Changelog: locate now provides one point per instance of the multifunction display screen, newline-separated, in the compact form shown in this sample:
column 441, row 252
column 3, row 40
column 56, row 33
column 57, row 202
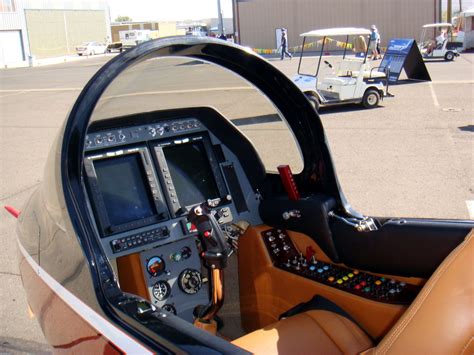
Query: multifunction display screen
column 191, row 173
column 121, row 182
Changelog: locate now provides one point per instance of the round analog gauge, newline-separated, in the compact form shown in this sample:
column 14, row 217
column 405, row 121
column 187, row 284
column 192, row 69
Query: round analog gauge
column 186, row 252
column 155, row 266
column 169, row 308
column 161, row 290
column 190, row 281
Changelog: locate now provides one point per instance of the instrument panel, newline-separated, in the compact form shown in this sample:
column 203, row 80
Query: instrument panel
column 175, row 280
column 143, row 179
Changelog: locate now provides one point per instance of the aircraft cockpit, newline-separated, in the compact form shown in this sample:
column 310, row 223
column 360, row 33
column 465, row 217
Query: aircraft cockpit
column 160, row 146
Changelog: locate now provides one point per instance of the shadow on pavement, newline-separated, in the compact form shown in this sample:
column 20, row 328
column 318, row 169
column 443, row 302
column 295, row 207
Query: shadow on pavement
column 345, row 108
column 256, row 120
column 468, row 128
column 21, row 346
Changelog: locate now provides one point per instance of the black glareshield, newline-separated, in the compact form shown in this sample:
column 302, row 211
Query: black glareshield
column 216, row 249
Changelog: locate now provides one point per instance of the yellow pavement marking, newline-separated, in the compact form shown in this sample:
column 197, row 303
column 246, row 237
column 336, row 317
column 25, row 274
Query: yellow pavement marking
column 433, row 95
column 40, row 90
column 185, row 91
column 470, row 208
column 452, row 82
column 12, row 94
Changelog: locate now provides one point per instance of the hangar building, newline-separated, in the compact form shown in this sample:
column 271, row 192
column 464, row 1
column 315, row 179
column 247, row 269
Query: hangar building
column 45, row 28
column 258, row 20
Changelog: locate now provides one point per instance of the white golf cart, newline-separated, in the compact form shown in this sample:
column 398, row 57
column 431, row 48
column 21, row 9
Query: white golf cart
column 436, row 42
column 352, row 81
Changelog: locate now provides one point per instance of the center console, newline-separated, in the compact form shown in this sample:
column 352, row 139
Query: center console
column 285, row 256
column 142, row 181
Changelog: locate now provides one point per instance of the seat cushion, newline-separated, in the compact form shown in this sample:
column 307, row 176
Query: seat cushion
column 374, row 74
column 312, row 332
column 340, row 81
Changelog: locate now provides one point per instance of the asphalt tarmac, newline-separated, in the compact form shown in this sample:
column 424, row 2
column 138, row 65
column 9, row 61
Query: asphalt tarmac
column 411, row 157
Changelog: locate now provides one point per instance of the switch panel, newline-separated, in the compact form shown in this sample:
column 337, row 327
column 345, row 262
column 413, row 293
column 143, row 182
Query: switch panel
column 285, row 256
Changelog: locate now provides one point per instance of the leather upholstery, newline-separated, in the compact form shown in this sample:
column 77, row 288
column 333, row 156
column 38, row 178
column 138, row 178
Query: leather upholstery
column 313, row 332
column 441, row 319
column 266, row 291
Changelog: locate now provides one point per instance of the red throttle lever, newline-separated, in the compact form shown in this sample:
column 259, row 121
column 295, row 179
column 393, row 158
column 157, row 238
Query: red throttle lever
column 288, row 182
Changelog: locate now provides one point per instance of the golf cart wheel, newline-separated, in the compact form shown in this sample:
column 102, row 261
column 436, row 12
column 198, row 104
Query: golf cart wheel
column 449, row 56
column 314, row 100
column 371, row 98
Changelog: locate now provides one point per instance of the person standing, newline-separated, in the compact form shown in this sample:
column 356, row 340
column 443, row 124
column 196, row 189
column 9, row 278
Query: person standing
column 374, row 39
column 379, row 48
column 284, row 45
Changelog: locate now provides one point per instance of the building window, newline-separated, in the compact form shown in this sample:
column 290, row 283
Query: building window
column 7, row 6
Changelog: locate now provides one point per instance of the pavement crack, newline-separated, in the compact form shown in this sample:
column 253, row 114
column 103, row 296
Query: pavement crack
column 32, row 127
column 9, row 273
column 3, row 198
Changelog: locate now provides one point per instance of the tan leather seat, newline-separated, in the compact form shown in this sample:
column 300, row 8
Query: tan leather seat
column 439, row 321
column 313, row 332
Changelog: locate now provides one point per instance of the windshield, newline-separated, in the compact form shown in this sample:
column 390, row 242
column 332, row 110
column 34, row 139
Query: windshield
column 173, row 83
column 326, row 51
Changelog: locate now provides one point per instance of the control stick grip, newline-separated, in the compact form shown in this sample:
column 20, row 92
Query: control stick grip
column 216, row 249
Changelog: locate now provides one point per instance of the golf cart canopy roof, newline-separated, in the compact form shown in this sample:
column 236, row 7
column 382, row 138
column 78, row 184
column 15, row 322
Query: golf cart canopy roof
column 468, row 12
column 338, row 31
column 440, row 24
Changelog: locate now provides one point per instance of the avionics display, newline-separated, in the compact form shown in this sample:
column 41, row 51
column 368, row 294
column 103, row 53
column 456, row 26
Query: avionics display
column 121, row 185
column 121, row 182
column 191, row 173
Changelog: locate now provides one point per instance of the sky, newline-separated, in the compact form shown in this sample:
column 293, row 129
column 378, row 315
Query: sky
column 165, row 10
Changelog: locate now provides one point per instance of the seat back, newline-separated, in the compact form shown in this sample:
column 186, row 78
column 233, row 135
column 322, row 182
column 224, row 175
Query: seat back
column 441, row 319
column 347, row 66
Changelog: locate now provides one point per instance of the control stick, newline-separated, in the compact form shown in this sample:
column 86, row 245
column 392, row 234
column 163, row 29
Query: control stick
column 215, row 254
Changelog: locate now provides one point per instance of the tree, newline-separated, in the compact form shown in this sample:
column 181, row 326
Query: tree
column 123, row 19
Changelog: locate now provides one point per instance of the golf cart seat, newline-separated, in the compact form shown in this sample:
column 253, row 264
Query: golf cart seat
column 352, row 67
column 371, row 74
column 440, row 45
column 339, row 80
column 348, row 66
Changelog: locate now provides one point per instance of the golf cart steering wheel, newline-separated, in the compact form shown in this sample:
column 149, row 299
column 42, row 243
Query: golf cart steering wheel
column 328, row 64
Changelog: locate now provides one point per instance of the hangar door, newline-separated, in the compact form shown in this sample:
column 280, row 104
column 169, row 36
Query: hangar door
column 11, row 49
column 57, row 32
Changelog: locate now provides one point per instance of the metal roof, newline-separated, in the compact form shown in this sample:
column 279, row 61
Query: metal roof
column 338, row 31
column 468, row 12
